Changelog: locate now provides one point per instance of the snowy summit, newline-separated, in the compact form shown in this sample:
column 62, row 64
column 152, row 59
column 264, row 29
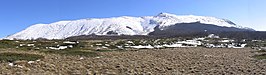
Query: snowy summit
column 120, row 25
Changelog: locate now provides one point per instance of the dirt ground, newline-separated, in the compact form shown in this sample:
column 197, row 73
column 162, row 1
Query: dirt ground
column 174, row 61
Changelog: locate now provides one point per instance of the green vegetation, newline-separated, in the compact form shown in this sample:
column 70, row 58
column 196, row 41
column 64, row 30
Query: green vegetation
column 262, row 56
column 261, row 51
column 72, row 52
column 7, row 44
column 104, row 50
column 11, row 57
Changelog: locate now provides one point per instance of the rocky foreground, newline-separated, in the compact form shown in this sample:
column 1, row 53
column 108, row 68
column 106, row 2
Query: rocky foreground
column 164, row 61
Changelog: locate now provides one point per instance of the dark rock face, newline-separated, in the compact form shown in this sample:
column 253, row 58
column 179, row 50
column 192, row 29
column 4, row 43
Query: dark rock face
column 112, row 33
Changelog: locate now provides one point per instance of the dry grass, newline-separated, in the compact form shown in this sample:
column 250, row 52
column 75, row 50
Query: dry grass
column 165, row 61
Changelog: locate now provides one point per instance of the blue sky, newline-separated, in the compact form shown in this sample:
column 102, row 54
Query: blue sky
column 16, row 15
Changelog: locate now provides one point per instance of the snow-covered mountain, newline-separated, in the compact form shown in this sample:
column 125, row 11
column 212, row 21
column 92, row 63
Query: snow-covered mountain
column 120, row 25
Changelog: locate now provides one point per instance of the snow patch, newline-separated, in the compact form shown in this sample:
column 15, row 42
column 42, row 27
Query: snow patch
column 121, row 25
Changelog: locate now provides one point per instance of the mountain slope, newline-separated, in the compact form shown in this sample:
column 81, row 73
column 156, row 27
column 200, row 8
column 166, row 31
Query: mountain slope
column 193, row 28
column 118, row 25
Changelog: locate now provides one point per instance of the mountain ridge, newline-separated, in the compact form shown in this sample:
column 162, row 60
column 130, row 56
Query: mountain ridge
column 124, row 25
